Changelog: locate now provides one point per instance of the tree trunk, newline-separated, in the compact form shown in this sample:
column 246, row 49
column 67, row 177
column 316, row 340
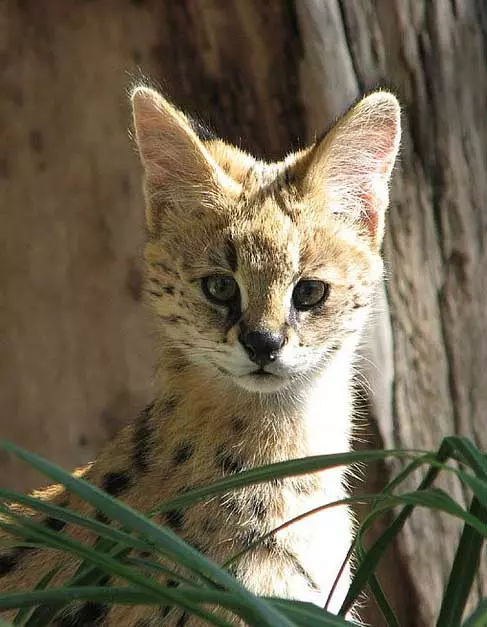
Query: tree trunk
column 75, row 358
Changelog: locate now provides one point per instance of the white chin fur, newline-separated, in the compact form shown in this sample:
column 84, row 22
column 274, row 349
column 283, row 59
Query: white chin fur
column 256, row 383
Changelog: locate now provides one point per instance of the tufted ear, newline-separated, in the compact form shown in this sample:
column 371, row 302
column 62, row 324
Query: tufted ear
column 180, row 173
column 348, row 171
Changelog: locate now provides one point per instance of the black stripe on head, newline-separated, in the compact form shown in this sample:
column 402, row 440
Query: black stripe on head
column 231, row 255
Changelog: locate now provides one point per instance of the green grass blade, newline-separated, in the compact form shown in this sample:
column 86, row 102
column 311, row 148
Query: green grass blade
column 466, row 453
column 280, row 470
column 122, row 596
column 479, row 617
column 382, row 602
column 463, row 571
column 23, row 615
column 300, row 613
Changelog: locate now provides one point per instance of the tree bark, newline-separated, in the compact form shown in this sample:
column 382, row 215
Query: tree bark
column 75, row 357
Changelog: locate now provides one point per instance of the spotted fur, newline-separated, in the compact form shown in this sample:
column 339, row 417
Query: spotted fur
column 212, row 209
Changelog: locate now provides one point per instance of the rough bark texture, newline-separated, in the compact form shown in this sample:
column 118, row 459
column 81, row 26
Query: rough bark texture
column 75, row 359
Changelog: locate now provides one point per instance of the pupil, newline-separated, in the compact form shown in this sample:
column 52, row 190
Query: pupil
column 222, row 286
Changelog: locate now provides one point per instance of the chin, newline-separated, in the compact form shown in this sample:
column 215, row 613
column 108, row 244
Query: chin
column 265, row 384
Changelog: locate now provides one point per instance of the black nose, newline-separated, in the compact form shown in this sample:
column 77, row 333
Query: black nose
column 262, row 346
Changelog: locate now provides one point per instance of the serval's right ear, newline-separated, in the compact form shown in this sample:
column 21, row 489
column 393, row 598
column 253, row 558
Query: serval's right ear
column 180, row 173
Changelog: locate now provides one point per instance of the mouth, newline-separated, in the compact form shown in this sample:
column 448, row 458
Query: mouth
column 261, row 373
column 261, row 381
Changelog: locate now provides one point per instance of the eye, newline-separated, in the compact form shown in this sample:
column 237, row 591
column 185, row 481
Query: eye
column 309, row 293
column 219, row 288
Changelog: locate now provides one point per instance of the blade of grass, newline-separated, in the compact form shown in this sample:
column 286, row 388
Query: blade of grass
column 463, row 571
column 382, row 602
column 122, row 596
column 307, row 613
column 479, row 616
column 23, row 615
column 280, row 470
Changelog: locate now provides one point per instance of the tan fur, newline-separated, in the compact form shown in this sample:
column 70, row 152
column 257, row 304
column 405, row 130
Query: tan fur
column 318, row 214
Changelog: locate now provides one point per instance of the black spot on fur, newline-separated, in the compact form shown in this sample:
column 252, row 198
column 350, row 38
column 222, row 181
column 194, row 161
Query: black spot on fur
column 164, row 610
column 88, row 615
column 142, row 440
column 116, row 482
column 171, row 583
column 175, row 519
column 182, row 453
column 229, row 462
column 169, row 405
column 101, row 517
column 168, row 289
column 183, row 619
column 145, row 555
column 54, row 523
column 10, row 559
column 231, row 255
column 238, row 424
column 173, row 318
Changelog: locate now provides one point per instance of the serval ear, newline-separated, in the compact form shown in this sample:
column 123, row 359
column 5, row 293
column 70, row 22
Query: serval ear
column 180, row 173
column 348, row 171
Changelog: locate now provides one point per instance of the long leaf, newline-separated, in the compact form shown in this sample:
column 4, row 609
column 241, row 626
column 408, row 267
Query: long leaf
column 479, row 617
column 463, row 571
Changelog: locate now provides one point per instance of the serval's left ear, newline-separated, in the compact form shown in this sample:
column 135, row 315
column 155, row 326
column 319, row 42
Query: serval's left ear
column 348, row 171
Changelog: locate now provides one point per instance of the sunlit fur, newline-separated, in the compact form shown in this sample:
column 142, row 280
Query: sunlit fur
column 212, row 209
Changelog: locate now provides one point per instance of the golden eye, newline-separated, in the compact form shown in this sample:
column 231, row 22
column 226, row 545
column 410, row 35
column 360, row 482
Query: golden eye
column 309, row 293
column 219, row 288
